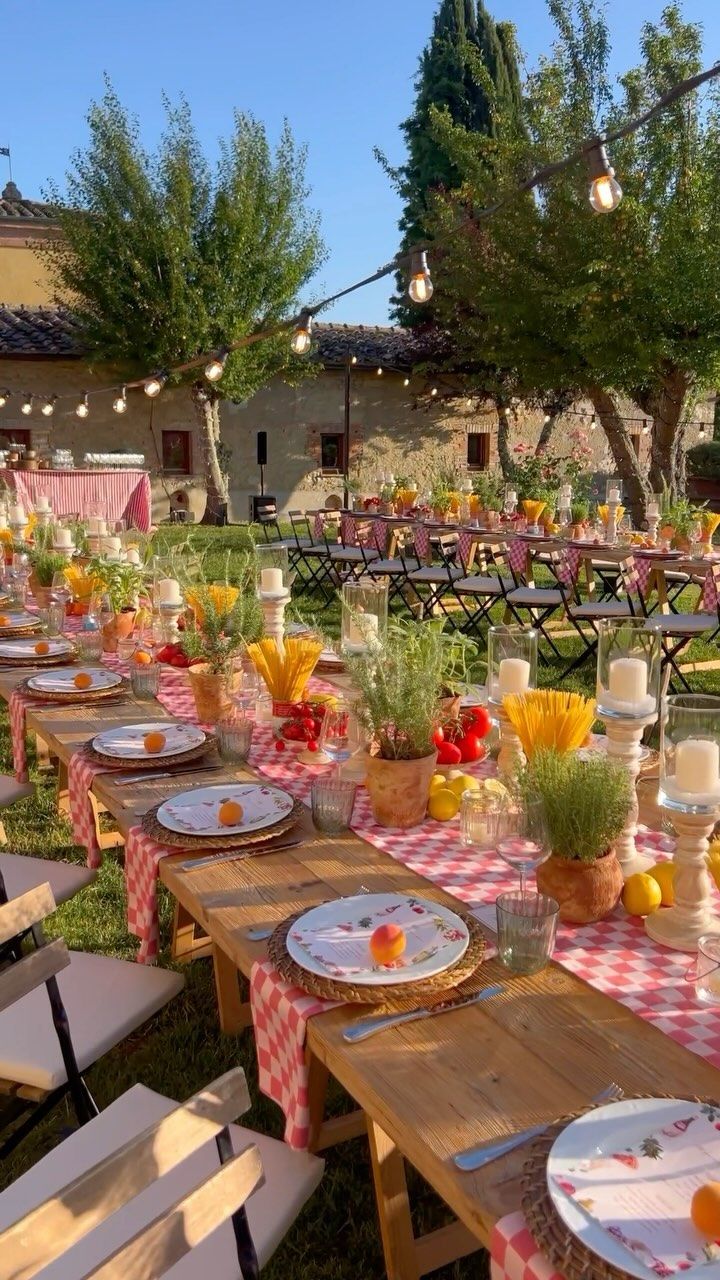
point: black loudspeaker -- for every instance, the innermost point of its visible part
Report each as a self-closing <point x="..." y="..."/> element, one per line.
<point x="262" y="448"/>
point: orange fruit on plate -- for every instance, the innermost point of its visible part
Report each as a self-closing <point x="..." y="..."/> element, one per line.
<point x="387" y="943"/>
<point x="142" y="657"/>
<point x="42" y="647"/>
<point x="705" y="1210"/>
<point x="83" y="680"/>
<point x="230" y="813"/>
<point x="4" y="620"/>
<point x="154" y="741"/>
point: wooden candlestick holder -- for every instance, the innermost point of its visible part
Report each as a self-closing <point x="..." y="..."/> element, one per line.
<point x="273" y="609"/>
<point x="624" y="738"/>
<point x="681" y="925"/>
<point x="511" y="756"/>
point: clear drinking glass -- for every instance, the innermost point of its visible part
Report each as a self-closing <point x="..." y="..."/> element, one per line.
<point x="337" y="738"/>
<point x="55" y="618"/>
<point x="523" y="840"/>
<point x="60" y="588"/>
<point x="234" y="739"/>
<point x="145" y="680"/>
<point x="480" y="815"/>
<point x="89" y="644"/>
<point x="526" y="928"/>
<point x="126" y="647"/>
<point x="705" y="969"/>
<point x="332" y="801"/>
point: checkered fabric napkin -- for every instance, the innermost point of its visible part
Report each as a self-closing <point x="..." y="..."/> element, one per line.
<point x="514" y="1254"/>
<point x="347" y="530"/>
<point x="81" y="772"/>
<point x="569" y="565"/>
<point x="518" y="556"/>
<point x="709" y="594"/>
<point x="643" y="568"/>
<point x="421" y="535"/>
<point x="318" y="526"/>
<point x="379" y="534"/>
<point x="466" y="537"/>
<point x="142" y="855"/>
<point x="280" y="1013"/>
<point x="17" y="707"/>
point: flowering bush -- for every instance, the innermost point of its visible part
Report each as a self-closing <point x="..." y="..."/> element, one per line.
<point x="541" y="475"/>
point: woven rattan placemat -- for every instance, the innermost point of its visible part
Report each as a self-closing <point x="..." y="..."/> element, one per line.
<point x="410" y="995"/>
<point x="114" y="693"/>
<point x="150" y="761"/>
<point x="237" y="840"/>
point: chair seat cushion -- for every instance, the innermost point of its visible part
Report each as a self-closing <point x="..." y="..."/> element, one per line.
<point x="316" y="549"/>
<point x="536" y="597"/>
<point x="354" y="555"/>
<point x="21" y="873"/>
<point x="436" y="573"/>
<point x="290" y="1179"/>
<point x="394" y="566"/>
<point x="10" y="790"/>
<point x="105" y="1000"/>
<point x="601" y="609"/>
<point x="681" y="624"/>
<point x="483" y="585"/>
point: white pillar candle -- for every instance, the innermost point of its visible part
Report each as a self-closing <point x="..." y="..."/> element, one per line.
<point x="101" y="527"/>
<point x="653" y="510"/>
<point x="628" y="680"/>
<point x="42" y="502"/>
<point x="271" y="579"/>
<point x="17" y="513"/>
<point x="614" y="495"/>
<point x="133" y="555"/>
<point x="513" y="676"/>
<point x="112" y="545"/>
<point x="361" y="631"/>
<point x="93" y="523"/>
<point x="169" y="591"/>
<point x="511" y="495"/>
<point x="63" y="538"/>
<point x="697" y="766"/>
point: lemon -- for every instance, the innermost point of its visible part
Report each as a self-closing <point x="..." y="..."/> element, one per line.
<point x="642" y="894"/>
<point x="437" y="780"/>
<point x="494" y="787"/>
<point x="664" y="873"/>
<point x="463" y="782"/>
<point x="443" y="804"/>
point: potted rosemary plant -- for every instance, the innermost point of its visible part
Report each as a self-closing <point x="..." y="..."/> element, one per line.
<point x="122" y="583"/>
<point x="586" y="798"/>
<point x="44" y="565"/>
<point x="398" y="682"/>
<point x="225" y="618"/>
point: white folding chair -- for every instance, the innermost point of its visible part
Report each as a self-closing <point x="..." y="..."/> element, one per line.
<point x="150" y="1189"/>
<point x="10" y="792"/>
<point x="20" y="872"/>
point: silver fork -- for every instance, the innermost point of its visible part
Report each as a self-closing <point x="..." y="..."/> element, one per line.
<point x="478" y="1157"/>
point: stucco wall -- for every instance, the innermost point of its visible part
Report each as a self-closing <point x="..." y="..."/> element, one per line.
<point x="24" y="278"/>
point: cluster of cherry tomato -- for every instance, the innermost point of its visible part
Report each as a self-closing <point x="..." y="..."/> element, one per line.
<point x="304" y="726"/>
<point x="175" y="655"/>
<point x="459" y="741"/>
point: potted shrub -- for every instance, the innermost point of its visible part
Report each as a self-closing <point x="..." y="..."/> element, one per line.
<point x="579" y="514"/>
<point x="44" y="566"/>
<point x="441" y="501"/>
<point x="399" y="681"/>
<point x="122" y="583"/>
<point x="587" y="798"/>
<point x="225" y="619"/>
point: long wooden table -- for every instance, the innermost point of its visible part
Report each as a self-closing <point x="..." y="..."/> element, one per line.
<point x="544" y="1047"/>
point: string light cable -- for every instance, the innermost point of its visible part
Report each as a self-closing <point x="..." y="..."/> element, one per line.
<point x="605" y="194"/>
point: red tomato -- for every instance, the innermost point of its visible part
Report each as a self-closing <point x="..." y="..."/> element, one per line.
<point x="480" y="721"/>
<point x="312" y="745"/>
<point x="448" y="753"/>
<point x="471" y="748"/>
<point x="438" y="736"/>
<point x="279" y="744"/>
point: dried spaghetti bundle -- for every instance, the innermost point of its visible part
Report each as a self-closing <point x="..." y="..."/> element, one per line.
<point x="549" y="718"/>
<point x="286" y="674"/>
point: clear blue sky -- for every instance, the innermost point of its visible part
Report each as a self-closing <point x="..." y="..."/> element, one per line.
<point x="341" y="71"/>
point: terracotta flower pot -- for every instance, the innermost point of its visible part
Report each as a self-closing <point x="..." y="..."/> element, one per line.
<point x="40" y="594"/>
<point x="212" y="691"/>
<point x="398" y="789"/>
<point x="119" y="628"/>
<point x="586" y="891"/>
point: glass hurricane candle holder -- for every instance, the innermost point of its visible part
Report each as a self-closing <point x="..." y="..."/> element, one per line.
<point x="364" y="614"/>
<point x="613" y="490"/>
<point x="690" y="753"/>
<point x="512" y="661"/>
<point x="273" y="569"/>
<point x="628" y="669"/>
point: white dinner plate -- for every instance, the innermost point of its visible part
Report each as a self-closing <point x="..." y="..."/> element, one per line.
<point x="126" y="742"/>
<point x="601" y="1132"/>
<point x="195" y="812"/>
<point x="332" y="940"/>
<point x="25" y="648"/>
<point x="62" y="680"/>
<point x="16" y="620"/>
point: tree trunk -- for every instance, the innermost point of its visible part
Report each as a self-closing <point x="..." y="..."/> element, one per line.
<point x="635" y="486"/>
<point x="670" y="408"/>
<point x="207" y="408"/>
<point x="545" y="435"/>
<point x="503" y="443"/>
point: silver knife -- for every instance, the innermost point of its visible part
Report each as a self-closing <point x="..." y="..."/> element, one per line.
<point x="370" y="1026"/>
<point x="193" y="863"/>
<point x="126" y="779"/>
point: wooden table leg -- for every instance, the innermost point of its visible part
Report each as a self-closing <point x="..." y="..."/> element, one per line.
<point x="43" y="758"/>
<point x="393" y="1206"/>
<point x="63" y="791"/>
<point x="234" y="1012"/>
<point x="189" y="941"/>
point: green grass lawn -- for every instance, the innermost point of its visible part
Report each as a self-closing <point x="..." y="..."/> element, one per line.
<point x="336" y="1238"/>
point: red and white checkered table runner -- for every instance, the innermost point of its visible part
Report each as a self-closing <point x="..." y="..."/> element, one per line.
<point x="514" y="1254"/>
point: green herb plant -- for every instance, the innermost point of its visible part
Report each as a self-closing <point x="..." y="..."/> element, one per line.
<point x="586" y="799"/>
<point x="399" y="683"/>
<point x="123" y="583"/>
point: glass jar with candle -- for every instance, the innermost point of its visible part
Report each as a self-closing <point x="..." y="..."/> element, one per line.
<point x="628" y="669"/>
<point x="512" y="661"/>
<point x="613" y="490"/>
<point x="364" y="613"/>
<point x="690" y="753"/>
<point x="274" y="578"/>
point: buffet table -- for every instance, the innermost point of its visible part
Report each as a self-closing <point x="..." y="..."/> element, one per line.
<point x="123" y="494"/>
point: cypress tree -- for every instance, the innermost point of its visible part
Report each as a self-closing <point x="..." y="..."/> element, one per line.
<point x="446" y="81"/>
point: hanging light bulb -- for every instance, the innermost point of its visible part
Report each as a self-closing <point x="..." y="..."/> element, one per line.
<point x="215" y="367"/>
<point x="154" y="385"/>
<point x="593" y="422"/>
<point x="605" y="191"/>
<point x="468" y="403"/>
<point x="406" y="382"/>
<point x="546" y="419"/>
<point x="701" y="432"/>
<point x="506" y="412"/>
<point x="4" y="397"/>
<point x="353" y="359"/>
<point x="48" y="408"/>
<point x="83" y="408"/>
<point x="120" y="402"/>
<point x="420" y="287"/>
<point x="301" y="340"/>
<point x="26" y="406"/>
<point x="646" y="428"/>
<point x="433" y="391"/>
<point x="379" y="371"/>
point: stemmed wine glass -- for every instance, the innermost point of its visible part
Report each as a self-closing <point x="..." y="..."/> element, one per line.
<point x="523" y="840"/>
<point x="339" y="734"/>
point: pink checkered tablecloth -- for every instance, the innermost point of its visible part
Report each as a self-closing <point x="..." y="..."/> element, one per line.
<point x="421" y="534"/>
<point x="518" y="557"/>
<point x="123" y="494"/>
<point x="347" y="529"/>
<point x="514" y="1254"/>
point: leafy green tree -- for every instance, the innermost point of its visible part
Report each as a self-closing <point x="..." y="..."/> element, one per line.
<point x="468" y="72"/>
<point x="162" y="258"/>
<point x="559" y="297"/>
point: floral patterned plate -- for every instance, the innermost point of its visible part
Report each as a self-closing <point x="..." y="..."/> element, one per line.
<point x="26" y="648"/>
<point x="20" y="621"/>
<point x="62" y="680"/>
<point x="332" y="940"/>
<point x="196" y="812"/>
<point x="127" y="741"/>
<point x="622" y="1177"/>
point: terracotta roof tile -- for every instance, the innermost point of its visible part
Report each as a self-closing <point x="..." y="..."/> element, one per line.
<point x="37" y="331"/>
